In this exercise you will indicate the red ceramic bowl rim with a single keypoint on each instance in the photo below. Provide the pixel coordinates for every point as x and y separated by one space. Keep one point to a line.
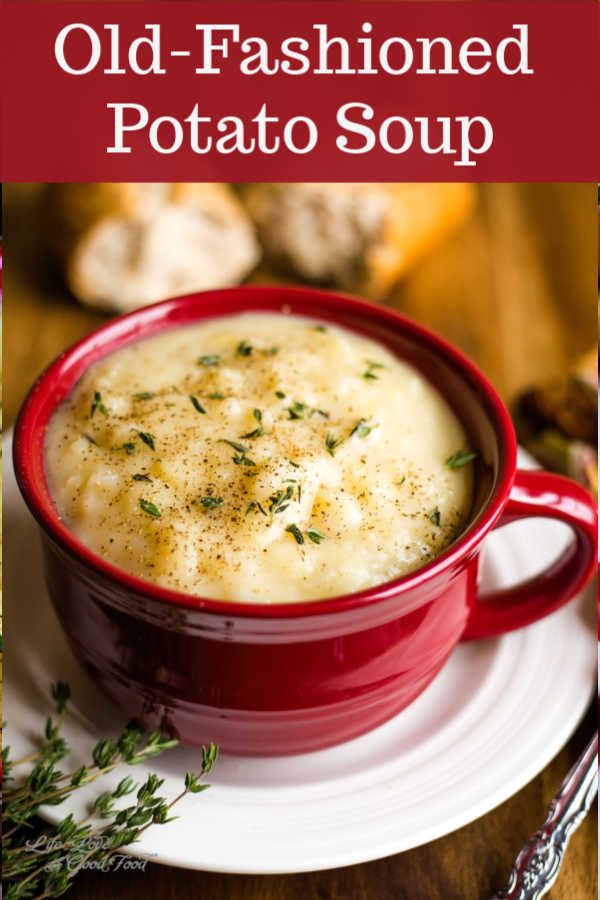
119 332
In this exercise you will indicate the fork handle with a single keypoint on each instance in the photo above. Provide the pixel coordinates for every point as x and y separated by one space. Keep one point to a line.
536 867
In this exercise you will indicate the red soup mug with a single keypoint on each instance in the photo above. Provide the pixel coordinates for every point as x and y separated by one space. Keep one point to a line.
287 678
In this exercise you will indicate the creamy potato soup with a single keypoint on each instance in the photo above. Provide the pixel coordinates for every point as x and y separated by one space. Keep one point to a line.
259 457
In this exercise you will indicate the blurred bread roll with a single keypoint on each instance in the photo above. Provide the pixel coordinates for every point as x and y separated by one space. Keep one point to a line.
361 237
125 245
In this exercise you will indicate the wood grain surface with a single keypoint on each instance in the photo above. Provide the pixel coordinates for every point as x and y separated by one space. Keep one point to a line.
516 288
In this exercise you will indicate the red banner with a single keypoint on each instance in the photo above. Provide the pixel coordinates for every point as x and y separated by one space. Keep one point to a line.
328 91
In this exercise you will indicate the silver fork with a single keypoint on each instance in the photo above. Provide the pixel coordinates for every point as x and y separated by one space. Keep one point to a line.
536 867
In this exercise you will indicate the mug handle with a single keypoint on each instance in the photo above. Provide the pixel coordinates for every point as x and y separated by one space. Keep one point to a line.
536 493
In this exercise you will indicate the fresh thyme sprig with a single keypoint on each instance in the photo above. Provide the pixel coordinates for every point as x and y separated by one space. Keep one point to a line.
41 861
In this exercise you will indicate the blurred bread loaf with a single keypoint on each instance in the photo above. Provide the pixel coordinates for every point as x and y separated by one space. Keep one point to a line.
361 237
124 245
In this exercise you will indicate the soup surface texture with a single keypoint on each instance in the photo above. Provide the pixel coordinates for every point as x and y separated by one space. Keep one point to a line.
259 458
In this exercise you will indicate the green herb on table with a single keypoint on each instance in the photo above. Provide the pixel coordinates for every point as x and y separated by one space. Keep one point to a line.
41 860
217 395
296 533
210 502
140 476
150 508
144 395
315 536
369 373
280 394
129 448
97 404
197 405
332 443
243 349
211 359
320 328
147 438
460 458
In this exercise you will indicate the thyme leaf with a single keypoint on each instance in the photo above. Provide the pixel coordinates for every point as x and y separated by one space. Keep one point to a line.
296 533
369 373
258 432
460 458
211 359
197 405
278 502
210 502
150 508
147 438
362 429
234 445
332 443
435 516
255 506
97 404
297 410
242 460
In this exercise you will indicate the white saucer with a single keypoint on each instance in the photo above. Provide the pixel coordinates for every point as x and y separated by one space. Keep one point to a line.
495 716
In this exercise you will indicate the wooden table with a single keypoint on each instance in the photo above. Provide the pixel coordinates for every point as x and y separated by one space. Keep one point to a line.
516 289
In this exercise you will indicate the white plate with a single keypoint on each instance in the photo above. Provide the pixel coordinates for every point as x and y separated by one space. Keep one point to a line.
494 717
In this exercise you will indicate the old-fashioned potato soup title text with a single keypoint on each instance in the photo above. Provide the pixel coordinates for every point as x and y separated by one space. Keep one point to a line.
80 49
